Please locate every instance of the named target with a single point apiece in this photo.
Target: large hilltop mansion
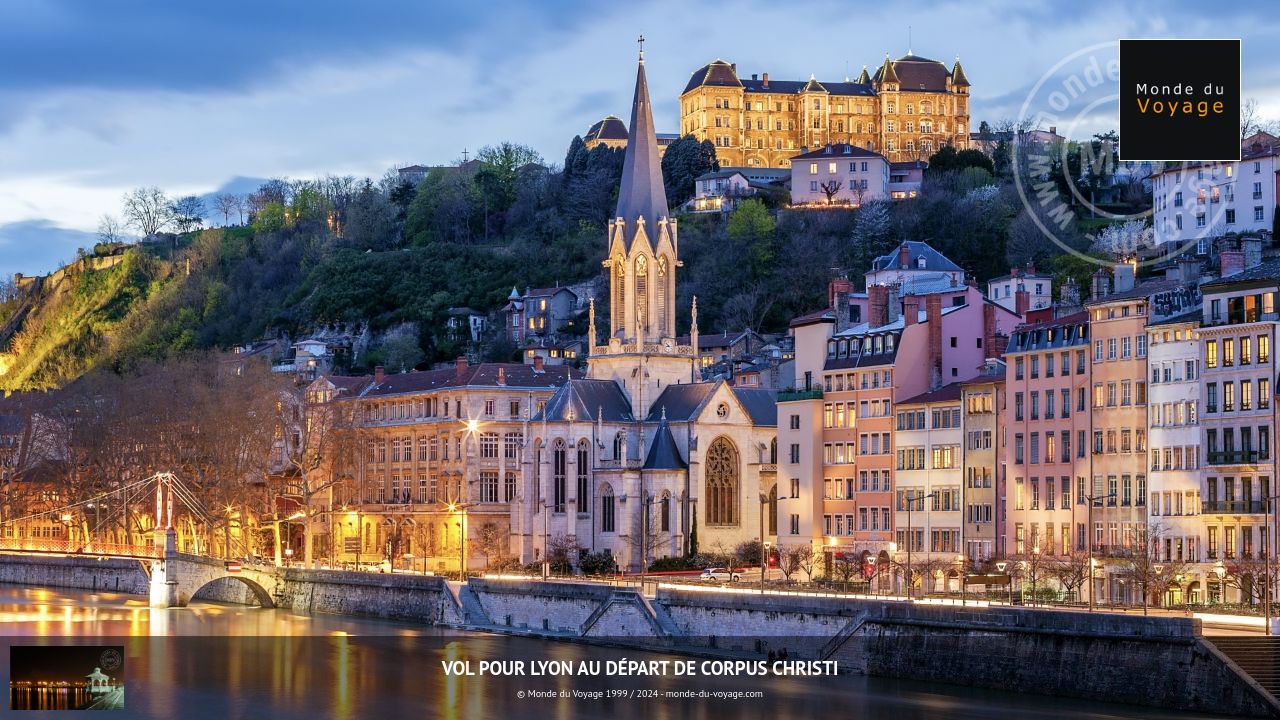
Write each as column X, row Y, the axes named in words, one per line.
column 906, row 110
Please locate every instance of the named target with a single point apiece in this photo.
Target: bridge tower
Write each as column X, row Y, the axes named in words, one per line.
column 164, row 580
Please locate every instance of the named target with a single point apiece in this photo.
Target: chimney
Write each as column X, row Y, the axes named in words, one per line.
column 1230, row 262
column 933, row 315
column 893, row 304
column 1252, row 249
column 1014, row 272
column 910, row 310
column 766, row 80
column 1123, row 278
column 1070, row 294
column 502, row 376
column 989, row 330
column 1100, row 285
column 842, row 311
column 837, row 287
column 1021, row 302
column 877, row 305
column 1031, row 268
column 1053, row 129
column 538, row 363
column 904, row 256
column 1189, row 270
column 735, row 67
column 461, row 365
column 378, row 374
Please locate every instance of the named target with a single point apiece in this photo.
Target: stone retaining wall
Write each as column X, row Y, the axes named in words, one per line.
column 82, row 573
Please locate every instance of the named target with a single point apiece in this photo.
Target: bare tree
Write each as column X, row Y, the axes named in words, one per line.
column 831, row 188
column 110, row 229
column 227, row 204
column 148, row 210
column 1252, row 121
column 1071, row 571
column 188, row 213
column 791, row 558
column 490, row 540
column 1140, row 563
column 317, row 446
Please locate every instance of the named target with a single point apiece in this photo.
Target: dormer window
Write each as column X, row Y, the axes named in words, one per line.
column 920, row 262
column 879, row 345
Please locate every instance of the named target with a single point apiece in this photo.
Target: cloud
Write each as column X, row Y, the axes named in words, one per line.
column 33, row 247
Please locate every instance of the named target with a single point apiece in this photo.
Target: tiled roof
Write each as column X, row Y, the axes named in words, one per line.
column 1192, row 315
column 837, row 151
column 716, row 73
column 610, row 128
column 918, row 73
column 540, row 292
column 589, row 401
column 664, row 454
column 1269, row 270
column 760, row 404
column 813, row 317
column 933, row 260
column 946, row 393
column 1140, row 290
column 721, row 74
column 515, row 375
column 1070, row 330
column 681, row 402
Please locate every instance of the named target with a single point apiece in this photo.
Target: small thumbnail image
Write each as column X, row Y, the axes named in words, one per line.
column 66, row 677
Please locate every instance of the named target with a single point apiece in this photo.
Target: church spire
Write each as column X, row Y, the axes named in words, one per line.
column 642, row 193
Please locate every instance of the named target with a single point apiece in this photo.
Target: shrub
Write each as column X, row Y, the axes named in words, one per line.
column 598, row 563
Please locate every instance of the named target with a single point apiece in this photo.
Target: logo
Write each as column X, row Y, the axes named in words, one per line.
column 110, row 659
column 1180, row 100
column 1065, row 157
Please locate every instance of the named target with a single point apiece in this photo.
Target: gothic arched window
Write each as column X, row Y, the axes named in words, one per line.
column 584, row 460
column 558, row 460
column 642, row 296
column 619, row 294
column 722, row 483
column 606, row 509
column 619, row 445
column 664, row 513
column 773, row 510
column 664, row 285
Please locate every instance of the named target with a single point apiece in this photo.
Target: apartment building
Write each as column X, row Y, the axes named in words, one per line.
column 1046, row 430
column 929, row 483
column 982, row 415
column 1173, row 419
column 1237, row 337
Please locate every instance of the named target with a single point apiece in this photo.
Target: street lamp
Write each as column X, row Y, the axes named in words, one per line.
column 911, row 499
column 1221, row 571
column 462, row 567
column 1089, row 531
column 1008, row 581
column 764, row 546
column 1159, row 571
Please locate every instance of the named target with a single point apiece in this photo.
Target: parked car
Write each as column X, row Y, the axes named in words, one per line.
column 720, row 575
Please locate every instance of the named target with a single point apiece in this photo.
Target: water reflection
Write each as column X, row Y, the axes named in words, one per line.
column 219, row 661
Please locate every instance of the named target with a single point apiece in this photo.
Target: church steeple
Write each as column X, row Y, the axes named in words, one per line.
column 642, row 193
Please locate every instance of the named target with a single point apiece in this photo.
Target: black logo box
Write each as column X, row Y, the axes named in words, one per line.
column 1191, row 66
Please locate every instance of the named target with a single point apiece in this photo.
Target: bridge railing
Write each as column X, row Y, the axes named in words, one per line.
column 79, row 547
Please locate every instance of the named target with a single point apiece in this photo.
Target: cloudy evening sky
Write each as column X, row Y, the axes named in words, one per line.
column 99, row 97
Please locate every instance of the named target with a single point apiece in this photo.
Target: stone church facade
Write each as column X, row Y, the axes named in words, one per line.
column 631, row 458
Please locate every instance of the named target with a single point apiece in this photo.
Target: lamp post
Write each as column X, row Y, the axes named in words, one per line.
column 1008, row 580
column 462, row 528
column 911, row 499
column 1221, row 571
column 764, row 546
column 1159, row 571
column 1089, row 531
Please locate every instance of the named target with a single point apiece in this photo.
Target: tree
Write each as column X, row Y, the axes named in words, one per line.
column 490, row 540
column 148, row 210
column 1252, row 121
column 754, row 233
column 370, row 220
column 188, row 213
column 831, row 188
column 1124, row 240
column 228, row 204
column 1140, row 563
column 561, row 552
column 684, row 160
column 792, row 558
column 401, row 351
column 1071, row 571
column 872, row 235
column 110, row 230
column 320, row 441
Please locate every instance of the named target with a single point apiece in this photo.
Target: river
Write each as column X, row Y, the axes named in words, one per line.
column 222, row 661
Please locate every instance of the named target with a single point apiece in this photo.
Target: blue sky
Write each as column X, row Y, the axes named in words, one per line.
column 99, row 97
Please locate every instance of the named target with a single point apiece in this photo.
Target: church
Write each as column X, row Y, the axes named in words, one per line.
column 641, row 458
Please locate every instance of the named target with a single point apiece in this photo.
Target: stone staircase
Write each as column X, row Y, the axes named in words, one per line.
column 473, row 612
column 663, row 617
column 839, row 638
column 1259, row 657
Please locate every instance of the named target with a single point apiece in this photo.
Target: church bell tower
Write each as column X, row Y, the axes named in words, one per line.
column 642, row 351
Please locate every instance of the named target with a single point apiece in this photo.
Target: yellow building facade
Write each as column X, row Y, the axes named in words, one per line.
column 907, row 110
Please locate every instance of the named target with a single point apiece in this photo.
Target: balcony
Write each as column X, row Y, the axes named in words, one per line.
column 1234, row 457
column 1231, row 507
column 795, row 395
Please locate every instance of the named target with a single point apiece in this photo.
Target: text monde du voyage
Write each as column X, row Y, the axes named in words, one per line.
column 1179, row 99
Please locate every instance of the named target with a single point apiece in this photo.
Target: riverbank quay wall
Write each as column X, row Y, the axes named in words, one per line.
column 1154, row 661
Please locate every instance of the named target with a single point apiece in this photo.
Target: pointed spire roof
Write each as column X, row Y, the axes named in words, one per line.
column 864, row 78
column 813, row 85
column 642, row 193
column 957, row 75
column 887, row 73
column 664, row 454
